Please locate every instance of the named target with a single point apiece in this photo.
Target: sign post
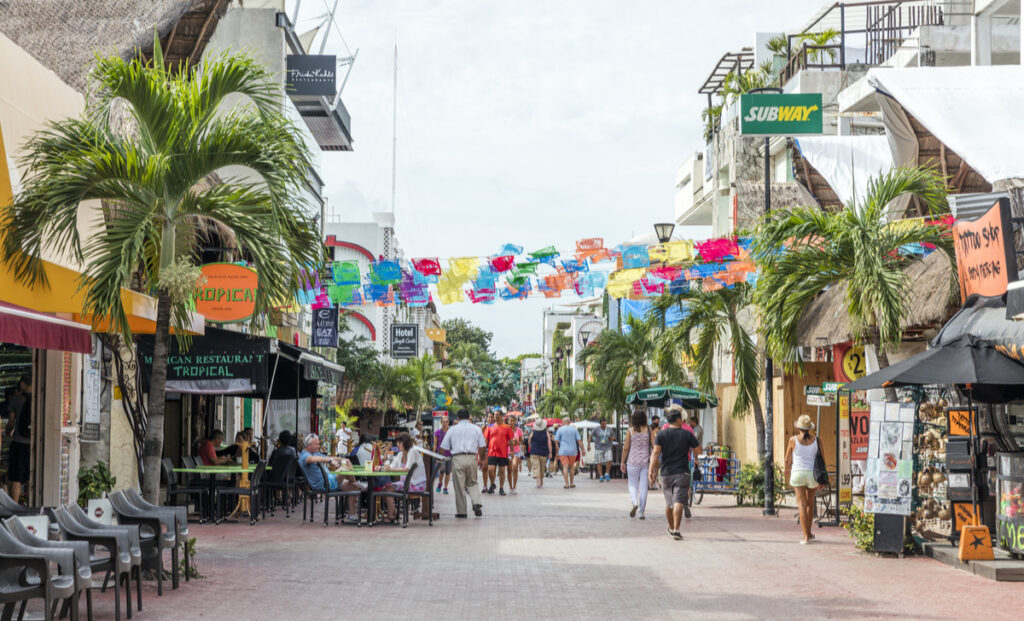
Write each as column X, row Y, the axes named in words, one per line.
column 768, row 112
column 405, row 340
column 325, row 327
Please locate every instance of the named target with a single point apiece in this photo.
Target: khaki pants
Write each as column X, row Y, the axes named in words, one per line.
column 537, row 463
column 464, row 475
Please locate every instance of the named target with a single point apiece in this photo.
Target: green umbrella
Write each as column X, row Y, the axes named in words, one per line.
column 662, row 396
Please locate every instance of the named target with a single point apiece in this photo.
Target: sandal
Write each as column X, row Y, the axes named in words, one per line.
column 573, row 485
column 565, row 487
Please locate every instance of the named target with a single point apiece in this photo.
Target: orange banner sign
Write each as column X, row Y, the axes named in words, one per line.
column 984, row 260
column 963, row 514
column 229, row 294
column 959, row 422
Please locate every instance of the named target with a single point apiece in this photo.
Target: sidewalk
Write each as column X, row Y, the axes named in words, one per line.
column 572, row 551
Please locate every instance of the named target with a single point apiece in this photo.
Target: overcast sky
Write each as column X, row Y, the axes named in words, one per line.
column 535, row 122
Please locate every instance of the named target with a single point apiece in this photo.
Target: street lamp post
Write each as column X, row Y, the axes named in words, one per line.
column 664, row 231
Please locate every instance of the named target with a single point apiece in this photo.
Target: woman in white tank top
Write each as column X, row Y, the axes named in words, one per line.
column 800, row 455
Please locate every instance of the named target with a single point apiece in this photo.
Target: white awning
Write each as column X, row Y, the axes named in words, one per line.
column 847, row 162
column 975, row 111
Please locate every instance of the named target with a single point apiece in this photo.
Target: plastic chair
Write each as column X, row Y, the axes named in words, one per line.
column 83, row 571
column 140, row 542
column 180, row 519
column 336, row 495
column 165, row 537
column 252, row 492
column 400, row 497
column 120, row 559
column 427, row 495
column 280, row 477
column 37, row 584
column 10, row 506
column 174, row 490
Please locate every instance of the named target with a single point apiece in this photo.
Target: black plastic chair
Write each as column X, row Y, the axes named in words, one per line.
column 161, row 525
column 336, row 494
column 83, row 570
column 201, row 493
column 26, row 575
column 140, row 542
column 280, row 477
column 252, row 492
column 64, row 559
column 401, row 497
column 121, row 548
column 427, row 496
column 181, row 523
column 10, row 506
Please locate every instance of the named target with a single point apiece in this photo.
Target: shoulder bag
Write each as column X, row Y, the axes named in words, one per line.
column 820, row 470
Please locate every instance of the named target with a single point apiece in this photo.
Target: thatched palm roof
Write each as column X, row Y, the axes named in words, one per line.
column 66, row 36
column 930, row 302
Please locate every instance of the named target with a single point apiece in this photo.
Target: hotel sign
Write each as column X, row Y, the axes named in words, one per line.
column 311, row 75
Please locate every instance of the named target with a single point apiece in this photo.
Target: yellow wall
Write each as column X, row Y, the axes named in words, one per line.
column 31, row 96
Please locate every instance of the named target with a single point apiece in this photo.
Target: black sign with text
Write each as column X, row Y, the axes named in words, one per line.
column 405, row 340
column 325, row 327
column 311, row 75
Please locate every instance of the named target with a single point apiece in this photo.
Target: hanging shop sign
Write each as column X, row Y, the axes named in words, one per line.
column 313, row 370
column 815, row 396
column 219, row 362
column 845, row 467
column 325, row 327
column 229, row 293
column 831, row 388
column 985, row 253
column 311, row 75
column 778, row 114
column 405, row 340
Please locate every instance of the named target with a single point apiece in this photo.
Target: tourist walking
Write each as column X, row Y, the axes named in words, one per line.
column 499, row 438
column 636, row 458
column 467, row 445
column 672, row 448
column 655, row 426
column 516, row 462
column 444, row 470
column 540, row 450
column 801, row 452
column 569, row 445
column 601, row 438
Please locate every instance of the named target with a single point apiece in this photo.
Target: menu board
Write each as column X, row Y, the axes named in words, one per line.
column 889, row 469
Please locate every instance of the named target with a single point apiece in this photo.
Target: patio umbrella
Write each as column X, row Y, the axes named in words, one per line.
column 516, row 414
column 994, row 378
column 662, row 396
column 553, row 421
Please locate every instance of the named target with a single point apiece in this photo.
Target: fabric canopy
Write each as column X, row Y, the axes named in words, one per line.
column 847, row 162
column 973, row 110
column 663, row 396
column 21, row 326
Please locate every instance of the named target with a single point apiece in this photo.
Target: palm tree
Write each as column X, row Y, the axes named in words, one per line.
column 154, row 183
column 713, row 319
column 392, row 387
column 555, row 401
column 621, row 363
column 424, row 373
column 803, row 250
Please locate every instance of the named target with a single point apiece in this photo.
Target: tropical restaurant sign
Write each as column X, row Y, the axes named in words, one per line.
column 229, row 293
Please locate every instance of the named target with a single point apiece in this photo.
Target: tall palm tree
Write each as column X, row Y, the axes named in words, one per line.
column 803, row 250
column 621, row 363
column 425, row 374
column 712, row 319
column 154, row 181
column 555, row 401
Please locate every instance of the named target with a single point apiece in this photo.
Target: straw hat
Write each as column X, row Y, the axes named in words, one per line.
column 540, row 424
column 804, row 423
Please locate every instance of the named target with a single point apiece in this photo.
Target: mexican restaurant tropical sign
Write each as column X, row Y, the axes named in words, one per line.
column 985, row 261
column 780, row 114
column 229, row 294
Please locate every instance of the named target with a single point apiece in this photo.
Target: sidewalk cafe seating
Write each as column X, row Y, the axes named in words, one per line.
column 9, row 507
column 180, row 522
column 174, row 490
column 252, row 493
column 337, row 495
column 280, row 478
column 139, row 543
column 401, row 498
column 164, row 536
column 35, row 578
column 426, row 497
column 83, row 575
column 121, row 549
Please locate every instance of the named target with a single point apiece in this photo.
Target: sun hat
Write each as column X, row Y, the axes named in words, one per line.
column 804, row 423
column 540, row 424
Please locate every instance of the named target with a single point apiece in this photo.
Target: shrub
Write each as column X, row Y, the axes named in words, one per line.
column 750, row 485
column 861, row 527
column 94, row 482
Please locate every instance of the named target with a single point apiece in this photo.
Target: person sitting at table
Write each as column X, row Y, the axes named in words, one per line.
column 236, row 448
column 285, row 445
column 408, row 455
column 209, row 454
column 309, row 460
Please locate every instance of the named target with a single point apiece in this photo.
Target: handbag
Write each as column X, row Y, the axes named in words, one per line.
column 820, row 470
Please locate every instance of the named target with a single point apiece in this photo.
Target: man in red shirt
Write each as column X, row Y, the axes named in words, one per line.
column 498, row 439
column 208, row 451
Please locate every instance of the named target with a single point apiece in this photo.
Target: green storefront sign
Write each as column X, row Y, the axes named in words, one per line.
column 771, row 114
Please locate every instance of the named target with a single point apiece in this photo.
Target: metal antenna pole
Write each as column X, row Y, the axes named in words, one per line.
column 394, row 130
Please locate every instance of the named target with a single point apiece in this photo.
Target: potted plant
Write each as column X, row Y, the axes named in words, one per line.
column 95, row 482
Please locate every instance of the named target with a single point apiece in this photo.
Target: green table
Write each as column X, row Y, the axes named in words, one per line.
column 212, row 472
column 362, row 472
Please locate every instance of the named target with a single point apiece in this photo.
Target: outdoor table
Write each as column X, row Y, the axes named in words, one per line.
column 212, row 471
column 361, row 471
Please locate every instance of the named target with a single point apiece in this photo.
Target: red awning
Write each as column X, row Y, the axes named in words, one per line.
column 41, row 331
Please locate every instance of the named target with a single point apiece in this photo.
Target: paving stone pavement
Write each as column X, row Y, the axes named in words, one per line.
column 573, row 554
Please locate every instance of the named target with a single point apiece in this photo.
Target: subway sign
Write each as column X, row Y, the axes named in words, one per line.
column 778, row 114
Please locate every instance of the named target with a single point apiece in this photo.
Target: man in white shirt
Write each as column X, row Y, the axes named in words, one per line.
column 469, row 449
column 345, row 440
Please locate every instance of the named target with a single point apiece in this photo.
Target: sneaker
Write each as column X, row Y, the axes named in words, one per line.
column 678, row 536
column 438, row 490
column 632, row 512
column 501, row 491
column 686, row 512
column 513, row 492
column 445, row 491
column 608, row 477
column 478, row 510
column 491, row 489
column 641, row 516
column 351, row 519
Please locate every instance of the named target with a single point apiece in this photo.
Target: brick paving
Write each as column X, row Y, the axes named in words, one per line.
column 572, row 553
